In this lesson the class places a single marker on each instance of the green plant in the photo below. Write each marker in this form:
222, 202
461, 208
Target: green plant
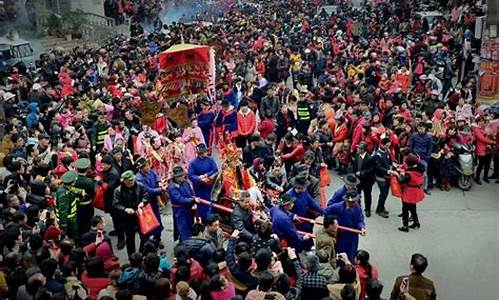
54, 23
73, 21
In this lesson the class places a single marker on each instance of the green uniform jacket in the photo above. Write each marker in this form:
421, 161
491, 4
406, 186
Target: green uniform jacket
84, 190
324, 240
66, 211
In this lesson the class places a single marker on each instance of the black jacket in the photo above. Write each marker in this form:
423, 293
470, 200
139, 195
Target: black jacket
124, 197
250, 154
200, 249
365, 166
112, 178
382, 163
242, 220
242, 276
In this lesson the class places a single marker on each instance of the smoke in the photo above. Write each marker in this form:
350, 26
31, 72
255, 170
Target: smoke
20, 19
184, 12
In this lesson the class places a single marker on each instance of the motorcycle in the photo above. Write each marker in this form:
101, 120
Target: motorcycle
465, 166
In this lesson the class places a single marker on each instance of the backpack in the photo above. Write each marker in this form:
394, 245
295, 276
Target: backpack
75, 290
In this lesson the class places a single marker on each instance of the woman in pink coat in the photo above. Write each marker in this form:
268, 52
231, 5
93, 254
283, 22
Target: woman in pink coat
192, 136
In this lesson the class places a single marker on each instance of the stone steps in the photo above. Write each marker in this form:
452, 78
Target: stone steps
50, 42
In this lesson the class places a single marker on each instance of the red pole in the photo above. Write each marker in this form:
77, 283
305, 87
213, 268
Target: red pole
229, 210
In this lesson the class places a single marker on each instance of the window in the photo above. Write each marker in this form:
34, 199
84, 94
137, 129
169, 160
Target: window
22, 51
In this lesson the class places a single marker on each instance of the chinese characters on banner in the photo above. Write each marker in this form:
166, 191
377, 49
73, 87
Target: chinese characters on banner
185, 70
488, 70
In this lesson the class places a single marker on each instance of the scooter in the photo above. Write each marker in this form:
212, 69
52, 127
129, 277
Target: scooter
465, 166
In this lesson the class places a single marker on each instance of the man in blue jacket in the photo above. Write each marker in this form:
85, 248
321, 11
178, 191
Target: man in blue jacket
206, 119
420, 143
349, 214
282, 224
154, 187
202, 173
183, 204
351, 183
304, 202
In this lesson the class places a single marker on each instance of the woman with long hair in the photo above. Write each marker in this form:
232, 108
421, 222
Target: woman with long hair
365, 270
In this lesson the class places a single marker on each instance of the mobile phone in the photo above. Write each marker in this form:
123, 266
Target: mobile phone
405, 281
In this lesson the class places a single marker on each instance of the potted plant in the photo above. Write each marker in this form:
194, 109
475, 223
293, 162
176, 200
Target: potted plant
54, 25
74, 20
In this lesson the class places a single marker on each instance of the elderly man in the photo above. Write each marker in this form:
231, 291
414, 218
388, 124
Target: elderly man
302, 170
127, 199
183, 204
202, 173
349, 214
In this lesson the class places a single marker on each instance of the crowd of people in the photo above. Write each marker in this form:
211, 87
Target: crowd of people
372, 93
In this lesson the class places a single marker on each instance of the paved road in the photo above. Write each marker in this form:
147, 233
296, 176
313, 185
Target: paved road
459, 236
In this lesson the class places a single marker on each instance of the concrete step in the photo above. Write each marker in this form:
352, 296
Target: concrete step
54, 42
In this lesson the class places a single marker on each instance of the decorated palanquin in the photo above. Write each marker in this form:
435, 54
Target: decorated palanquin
186, 69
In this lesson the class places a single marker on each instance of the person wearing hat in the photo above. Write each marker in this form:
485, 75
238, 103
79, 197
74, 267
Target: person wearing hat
202, 172
412, 183
351, 183
302, 170
127, 199
229, 95
304, 113
84, 189
155, 188
66, 205
183, 204
349, 214
304, 203
283, 226
363, 169
206, 119
258, 171
228, 119
246, 124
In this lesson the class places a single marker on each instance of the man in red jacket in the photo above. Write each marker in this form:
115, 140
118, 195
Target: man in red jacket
246, 124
